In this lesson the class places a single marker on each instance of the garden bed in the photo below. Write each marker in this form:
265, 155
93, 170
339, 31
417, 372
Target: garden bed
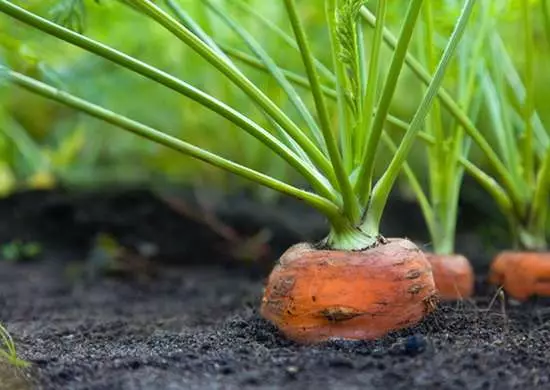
187, 318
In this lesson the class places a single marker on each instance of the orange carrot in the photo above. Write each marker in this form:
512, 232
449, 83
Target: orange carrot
522, 274
316, 295
453, 275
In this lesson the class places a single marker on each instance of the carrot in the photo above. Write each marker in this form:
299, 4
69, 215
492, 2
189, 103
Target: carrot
453, 275
522, 274
316, 295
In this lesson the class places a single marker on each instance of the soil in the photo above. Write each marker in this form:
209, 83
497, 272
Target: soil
176, 310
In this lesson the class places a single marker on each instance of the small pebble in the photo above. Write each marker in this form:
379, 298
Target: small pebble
415, 344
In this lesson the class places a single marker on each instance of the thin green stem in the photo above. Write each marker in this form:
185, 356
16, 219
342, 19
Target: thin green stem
364, 181
490, 184
238, 79
362, 72
297, 79
453, 107
502, 57
439, 179
345, 122
255, 47
363, 62
539, 208
372, 79
190, 23
383, 186
350, 207
436, 155
325, 72
493, 84
315, 178
187, 21
529, 104
421, 197
320, 203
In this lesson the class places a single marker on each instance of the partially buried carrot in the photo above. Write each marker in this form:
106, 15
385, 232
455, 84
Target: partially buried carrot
522, 274
453, 276
316, 295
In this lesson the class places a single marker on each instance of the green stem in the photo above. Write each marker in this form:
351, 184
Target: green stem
529, 104
539, 208
494, 87
460, 146
315, 178
273, 69
156, 75
295, 78
238, 79
187, 21
320, 203
437, 164
383, 186
373, 77
351, 207
359, 125
364, 181
362, 60
345, 122
453, 107
489, 183
421, 197
325, 72
514, 80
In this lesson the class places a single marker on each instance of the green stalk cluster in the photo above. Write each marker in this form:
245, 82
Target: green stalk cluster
338, 160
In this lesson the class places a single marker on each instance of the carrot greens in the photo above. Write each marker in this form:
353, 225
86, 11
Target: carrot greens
336, 156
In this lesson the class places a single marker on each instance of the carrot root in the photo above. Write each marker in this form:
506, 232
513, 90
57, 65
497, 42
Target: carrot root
453, 275
316, 295
522, 274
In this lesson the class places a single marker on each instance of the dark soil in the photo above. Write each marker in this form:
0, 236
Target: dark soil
184, 316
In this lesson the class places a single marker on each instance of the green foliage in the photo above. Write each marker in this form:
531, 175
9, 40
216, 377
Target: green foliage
256, 38
18, 250
352, 204
8, 352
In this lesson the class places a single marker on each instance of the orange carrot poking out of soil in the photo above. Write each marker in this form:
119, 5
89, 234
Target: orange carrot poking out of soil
453, 275
522, 274
316, 295
358, 286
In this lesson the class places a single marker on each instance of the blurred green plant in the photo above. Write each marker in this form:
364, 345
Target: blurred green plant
447, 145
8, 352
520, 138
19, 250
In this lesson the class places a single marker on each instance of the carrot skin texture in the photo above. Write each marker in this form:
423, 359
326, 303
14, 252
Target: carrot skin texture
522, 274
317, 295
453, 276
